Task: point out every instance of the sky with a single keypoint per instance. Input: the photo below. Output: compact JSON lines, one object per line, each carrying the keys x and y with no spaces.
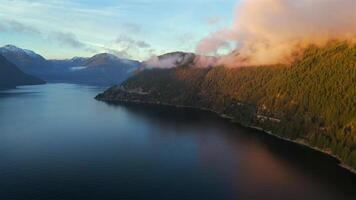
{"x":135,"y":29}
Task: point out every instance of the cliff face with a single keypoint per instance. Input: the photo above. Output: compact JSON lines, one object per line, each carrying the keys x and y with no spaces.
{"x":312,"y":100}
{"x":11,"y":76}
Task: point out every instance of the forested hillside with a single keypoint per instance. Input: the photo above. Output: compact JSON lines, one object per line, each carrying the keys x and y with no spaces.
{"x":312,"y":100}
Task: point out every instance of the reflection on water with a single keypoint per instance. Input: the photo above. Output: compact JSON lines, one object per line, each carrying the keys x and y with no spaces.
{"x":57,"y":142}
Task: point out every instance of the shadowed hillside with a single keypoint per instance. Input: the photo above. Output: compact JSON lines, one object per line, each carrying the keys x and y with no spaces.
{"x":11,"y":76}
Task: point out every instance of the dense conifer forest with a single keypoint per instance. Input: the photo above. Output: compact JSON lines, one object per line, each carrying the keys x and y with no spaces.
{"x":312,"y":100}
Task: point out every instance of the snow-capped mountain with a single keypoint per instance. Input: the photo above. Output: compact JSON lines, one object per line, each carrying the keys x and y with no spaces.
{"x":27,"y":60}
{"x":100,"y":69}
{"x":18,"y":51}
{"x":15,"y":51}
{"x":104,"y":68}
{"x":110,"y":60}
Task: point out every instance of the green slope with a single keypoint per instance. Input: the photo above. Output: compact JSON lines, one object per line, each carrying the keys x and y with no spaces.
{"x":312,"y":100}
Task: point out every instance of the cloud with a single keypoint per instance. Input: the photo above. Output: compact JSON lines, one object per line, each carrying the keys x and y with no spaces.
{"x":127,"y":47}
{"x":143,"y":44}
{"x":118,"y":53}
{"x":132,"y":28}
{"x":130,"y":47}
{"x":18,"y":27}
{"x":270,"y":31}
{"x":176,"y":59}
{"x":186,"y":38}
{"x":131,"y":43}
{"x":214,"y":42}
{"x":129,"y":17}
{"x":62,"y":38}
{"x":70,"y":40}
{"x":67,"y":39}
{"x":214,"y":20}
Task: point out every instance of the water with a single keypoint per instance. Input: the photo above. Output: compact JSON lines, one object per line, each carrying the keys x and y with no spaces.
{"x":58,"y":142}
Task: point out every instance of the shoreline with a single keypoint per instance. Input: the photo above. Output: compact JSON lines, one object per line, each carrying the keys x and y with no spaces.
{"x":299,"y":142}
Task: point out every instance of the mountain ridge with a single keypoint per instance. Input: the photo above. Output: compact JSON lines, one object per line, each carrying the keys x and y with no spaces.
{"x":179,"y":59}
{"x":286,"y":100}
{"x":100,"y":69}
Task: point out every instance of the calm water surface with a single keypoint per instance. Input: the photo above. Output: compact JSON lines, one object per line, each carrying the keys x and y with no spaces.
{"x":58,"y":142}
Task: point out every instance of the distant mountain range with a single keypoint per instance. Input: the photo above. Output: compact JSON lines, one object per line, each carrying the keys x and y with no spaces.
{"x":11,"y":76}
{"x":101,"y":69}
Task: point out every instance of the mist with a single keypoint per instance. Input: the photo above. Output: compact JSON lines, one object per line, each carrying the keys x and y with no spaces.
{"x":176,"y":59}
{"x":266,"y":32}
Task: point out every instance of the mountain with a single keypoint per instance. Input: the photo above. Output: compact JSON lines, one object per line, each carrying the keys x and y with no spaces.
{"x":11,"y":76}
{"x":101,"y":69}
{"x":179,"y":59}
{"x":311,"y":101}
{"x":27,"y":60}
{"x":68,"y":63}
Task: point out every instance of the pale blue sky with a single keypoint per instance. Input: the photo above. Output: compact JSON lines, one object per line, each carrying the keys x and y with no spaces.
{"x":131,"y":28}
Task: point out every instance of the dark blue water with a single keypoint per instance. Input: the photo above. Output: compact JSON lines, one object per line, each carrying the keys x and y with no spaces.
{"x":58,"y":142}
